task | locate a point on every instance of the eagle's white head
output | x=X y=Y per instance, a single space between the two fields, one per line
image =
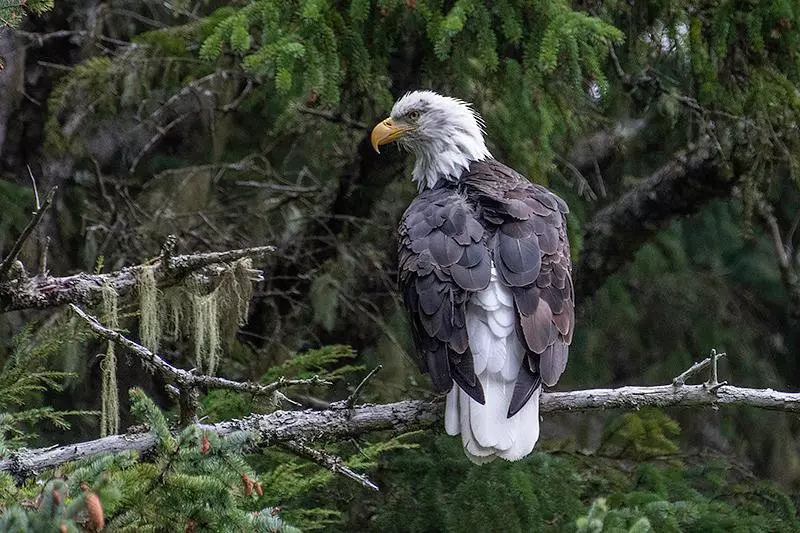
x=445 y=134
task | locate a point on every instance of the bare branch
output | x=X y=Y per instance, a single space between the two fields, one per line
x=279 y=187
x=159 y=134
x=330 y=462
x=331 y=116
x=339 y=424
x=183 y=378
x=248 y=88
x=783 y=252
x=44 y=292
x=692 y=178
x=5 y=265
x=351 y=400
x=35 y=189
x=680 y=380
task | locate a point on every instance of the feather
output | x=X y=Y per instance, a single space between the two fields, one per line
x=498 y=328
x=562 y=322
x=525 y=428
x=515 y=279
x=526 y=299
x=431 y=323
x=476 y=453
x=439 y=369
x=472 y=278
x=537 y=328
x=430 y=299
x=553 y=362
x=519 y=255
x=527 y=382
x=518 y=229
x=419 y=230
x=554 y=298
x=480 y=340
x=451 y=415
x=444 y=249
x=548 y=241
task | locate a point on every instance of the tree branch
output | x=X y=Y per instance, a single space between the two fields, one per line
x=692 y=178
x=680 y=380
x=784 y=255
x=330 y=462
x=332 y=116
x=45 y=292
x=339 y=424
x=184 y=378
x=5 y=265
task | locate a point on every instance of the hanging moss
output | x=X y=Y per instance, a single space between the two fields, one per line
x=109 y=402
x=149 y=321
x=174 y=301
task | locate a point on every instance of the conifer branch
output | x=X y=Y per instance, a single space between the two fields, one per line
x=44 y=292
x=330 y=425
x=330 y=462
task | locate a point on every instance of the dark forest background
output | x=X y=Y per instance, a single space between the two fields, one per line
x=670 y=127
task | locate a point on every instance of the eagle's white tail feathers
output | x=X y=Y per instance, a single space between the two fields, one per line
x=485 y=430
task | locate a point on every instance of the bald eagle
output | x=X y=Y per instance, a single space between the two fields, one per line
x=485 y=273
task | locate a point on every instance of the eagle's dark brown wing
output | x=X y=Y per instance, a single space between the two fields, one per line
x=531 y=254
x=443 y=258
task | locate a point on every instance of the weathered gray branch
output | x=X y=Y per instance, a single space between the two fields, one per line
x=184 y=378
x=42 y=292
x=680 y=380
x=5 y=264
x=338 y=424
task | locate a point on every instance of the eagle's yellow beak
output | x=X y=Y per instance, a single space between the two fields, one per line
x=386 y=132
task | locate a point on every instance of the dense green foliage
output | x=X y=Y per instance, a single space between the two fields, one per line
x=553 y=492
x=232 y=124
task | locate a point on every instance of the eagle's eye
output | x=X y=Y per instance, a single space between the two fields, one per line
x=413 y=115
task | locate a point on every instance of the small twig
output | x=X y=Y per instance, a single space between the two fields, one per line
x=35 y=220
x=57 y=66
x=248 y=88
x=331 y=116
x=35 y=189
x=331 y=462
x=45 y=245
x=680 y=380
x=160 y=133
x=280 y=187
x=351 y=400
x=40 y=38
x=584 y=188
x=713 y=384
